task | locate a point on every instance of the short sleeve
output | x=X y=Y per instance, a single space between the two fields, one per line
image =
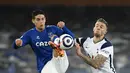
x=80 y=40
x=106 y=51
x=25 y=39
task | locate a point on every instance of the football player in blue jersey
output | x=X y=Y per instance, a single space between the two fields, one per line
x=38 y=38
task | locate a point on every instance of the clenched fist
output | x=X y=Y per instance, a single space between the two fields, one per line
x=18 y=42
x=61 y=24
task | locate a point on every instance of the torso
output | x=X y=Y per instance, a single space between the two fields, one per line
x=93 y=49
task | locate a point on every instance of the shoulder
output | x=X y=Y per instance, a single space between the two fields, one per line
x=83 y=40
x=51 y=26
x=88 y=39
x=106 y=44
x=30 y=31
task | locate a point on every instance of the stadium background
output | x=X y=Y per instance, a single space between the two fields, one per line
x=15 y=18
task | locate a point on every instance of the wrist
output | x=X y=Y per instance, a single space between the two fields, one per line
x=79 y=53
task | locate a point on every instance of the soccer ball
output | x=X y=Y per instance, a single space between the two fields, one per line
x=66 y=41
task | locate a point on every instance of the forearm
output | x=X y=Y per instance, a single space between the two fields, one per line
x=66 y=30
x=89 y=61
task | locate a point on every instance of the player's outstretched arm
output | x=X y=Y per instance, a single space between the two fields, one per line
x=96 y=62
x=22 y=41
x=62 y=26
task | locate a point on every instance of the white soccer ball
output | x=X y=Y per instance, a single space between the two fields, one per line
x=66 y=41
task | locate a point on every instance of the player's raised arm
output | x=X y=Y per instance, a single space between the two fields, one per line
x=62 y=26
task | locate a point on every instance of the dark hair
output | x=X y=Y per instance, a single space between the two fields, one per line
x=103 y=21
x=36 y=12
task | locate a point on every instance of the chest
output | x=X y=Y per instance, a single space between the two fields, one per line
x=92 y=49
x=40 y=39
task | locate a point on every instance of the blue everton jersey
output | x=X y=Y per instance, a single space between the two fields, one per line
x=39 y=42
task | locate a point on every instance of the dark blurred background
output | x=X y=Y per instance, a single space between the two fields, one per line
x=79 y=16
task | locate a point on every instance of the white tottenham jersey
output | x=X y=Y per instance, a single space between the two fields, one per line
x=103 y=47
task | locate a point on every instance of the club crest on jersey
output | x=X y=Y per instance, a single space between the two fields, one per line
x=37 y=37
x=50 y=34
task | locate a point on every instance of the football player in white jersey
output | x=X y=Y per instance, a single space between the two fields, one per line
x=99 y=51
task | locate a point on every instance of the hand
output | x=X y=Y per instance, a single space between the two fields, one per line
x=78 y=49
x=18 y=42
x=61 y=24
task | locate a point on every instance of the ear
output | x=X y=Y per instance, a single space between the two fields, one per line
x=105 y=32
x=93 y=29
x=45 y=19
x=33 y=21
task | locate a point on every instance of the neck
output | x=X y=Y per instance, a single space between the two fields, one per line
x=40 y=30
x=97 y=39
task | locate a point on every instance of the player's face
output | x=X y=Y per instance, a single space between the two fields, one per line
x=39 y=22
x=100 y=29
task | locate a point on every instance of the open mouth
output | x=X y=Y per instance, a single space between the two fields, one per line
x=41 y=25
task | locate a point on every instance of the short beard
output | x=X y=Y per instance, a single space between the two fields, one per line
x=41 y=29
x=97 y=35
